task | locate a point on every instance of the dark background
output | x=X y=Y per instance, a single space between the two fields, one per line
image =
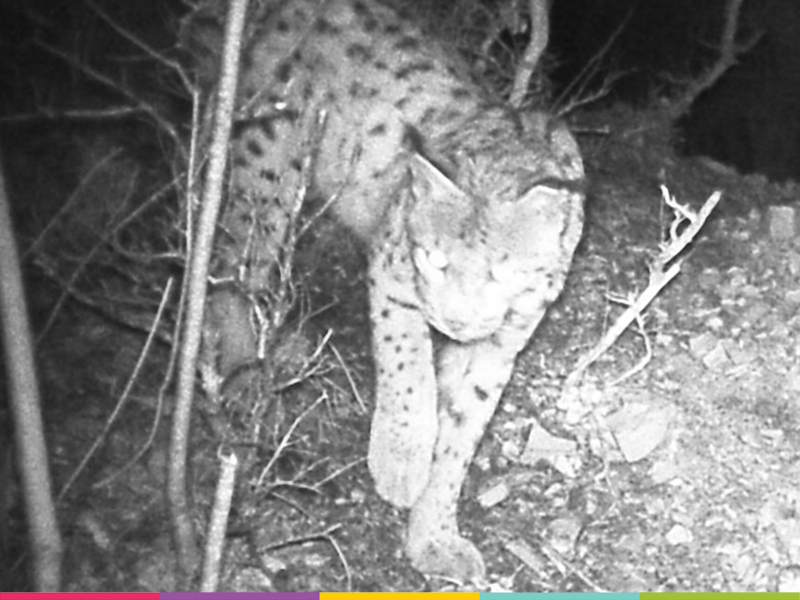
x=749 y=119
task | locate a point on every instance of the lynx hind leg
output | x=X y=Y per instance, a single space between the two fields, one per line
x=404 y=425
x=229 y=336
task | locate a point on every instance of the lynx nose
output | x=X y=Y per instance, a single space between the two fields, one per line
x=469 y=327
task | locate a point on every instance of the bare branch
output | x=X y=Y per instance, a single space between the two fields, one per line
x=45 y=113
x=128 y=35
x=539 y=36
x=123 y=398
x=138 y=103
x=729 y=53
x=577 y=86
x=67 y=206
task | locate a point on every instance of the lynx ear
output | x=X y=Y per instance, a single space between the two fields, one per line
x=566 y=151
x=417 y=147
x=438 y=206
x=557 y=138
x=427 y=181
x=535 y=123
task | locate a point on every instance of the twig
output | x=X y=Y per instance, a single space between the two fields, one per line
x=128 y=35
x=116 y=86
x=290 y=502
x=338 y=472
x=577 y=86
x=155 y=197
x=684 y=213
x=657 y=282
x=141 y=324
x=44 y=113
x=159 y=410
x=326 y=535
x=123 y=398
x=311 y=366
x=565 y=566
x=34 y=246
x=304 y=471
x=350 y=380
x=286 y=437
x=648 y=354
x=69 y=284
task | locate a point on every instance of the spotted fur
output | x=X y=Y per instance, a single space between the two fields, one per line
x=470 y=211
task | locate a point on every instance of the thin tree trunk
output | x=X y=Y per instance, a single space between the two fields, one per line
x=200 y=255
x=44 y=538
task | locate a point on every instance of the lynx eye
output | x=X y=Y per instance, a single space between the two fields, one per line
x=437 y=259
x=431 y=265
x=502 y=272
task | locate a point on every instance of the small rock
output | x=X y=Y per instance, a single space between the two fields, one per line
x=639 y=429
x=563 y=533
x=745 y=567
x=703 y=344
x=792 y=297
x=717 y=359
x=793 y=379
x=788 y=531
x=781 y=223
x=663 y=471
x=738 y=355
x=251 y=579
x=709 y=279
x=789 y=579
x=525 y=552
x=791 y=261
x=542 y=445
x=493 y=495
x=756 y=312
x=633 y=542
x=737 y=278
x=679 y=535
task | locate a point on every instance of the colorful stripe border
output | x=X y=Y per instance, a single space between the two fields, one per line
x=402 y=596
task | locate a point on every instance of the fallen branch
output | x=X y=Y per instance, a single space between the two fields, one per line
x=663 y=269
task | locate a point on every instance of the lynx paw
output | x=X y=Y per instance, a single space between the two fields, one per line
x=448 y=555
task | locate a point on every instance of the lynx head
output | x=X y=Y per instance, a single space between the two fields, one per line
x=492 y=234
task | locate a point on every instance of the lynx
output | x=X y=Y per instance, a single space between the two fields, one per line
x=470 y=213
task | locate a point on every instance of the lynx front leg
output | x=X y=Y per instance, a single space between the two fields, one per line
x=404 y=424
x=471 y=380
